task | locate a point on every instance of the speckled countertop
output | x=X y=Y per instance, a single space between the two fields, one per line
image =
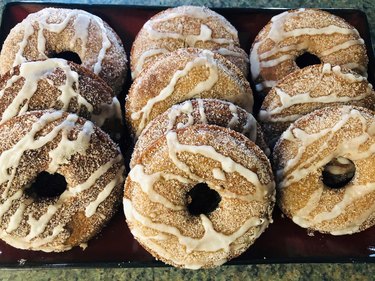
x=305 y=271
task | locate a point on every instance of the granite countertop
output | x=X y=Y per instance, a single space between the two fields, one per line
x=294 y=271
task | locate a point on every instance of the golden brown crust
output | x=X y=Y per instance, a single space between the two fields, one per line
x=182 y=27
x=308 y=89
x=182 y=75
x=200 y=111
x=299 y=159
x=62 y=143
x=98 y=46
x=165 y=216
x=292 y=33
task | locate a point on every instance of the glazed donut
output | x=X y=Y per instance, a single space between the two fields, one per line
x=182 y=27
x=57 y=84
x=166 y=196
x=311 y=88
x=292 y=33
x=66 y=146
x=181 y=75
x=52 y=31
x=307 y=149
x=200 y=111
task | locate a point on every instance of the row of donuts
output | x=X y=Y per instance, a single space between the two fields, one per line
x=198 y=193
x=318 y=119
x=334 y=140
x=61 y=177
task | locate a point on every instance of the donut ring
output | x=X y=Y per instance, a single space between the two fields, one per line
x=308 y=89
x=182 y=27
x=57 y=84
x=56 y=142
x=200 y=111
x=51 y=31
x=157 y=191
x=300 y=156
x=182 y=75
x=295 y=32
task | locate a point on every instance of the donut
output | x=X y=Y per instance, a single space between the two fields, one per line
x=61 y=180
x=182 y=27
x=200 y=111
x=311 y=88
x=293 y=33
x=200 y=196
x=182 y=75
x=61 y=85
x=320 y=145
x=53 y=31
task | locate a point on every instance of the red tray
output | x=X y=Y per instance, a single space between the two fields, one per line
x=283 y=241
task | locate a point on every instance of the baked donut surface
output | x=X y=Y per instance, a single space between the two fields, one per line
x=315 y=143
x=182 y=75
x=58 y=84
x=308 y=89
x=200 y=111
x=158 y=196
x=292 y=33
x=51 y=31
x=182 y=27
x=56 y=143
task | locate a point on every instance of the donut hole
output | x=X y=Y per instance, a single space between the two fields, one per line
x=338 y=172
x=202 y=200
x=68 y=55
x=307 y=59
x=47 y=185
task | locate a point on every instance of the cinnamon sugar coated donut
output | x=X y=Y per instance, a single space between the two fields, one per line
x=54 y=30
x=200 y=111
x=58 y=84
x=182 y=75
x=292 y=33
x=316 y=143
x=65 y=146
x=182 y=27
x=311 y=88
x=161 y=190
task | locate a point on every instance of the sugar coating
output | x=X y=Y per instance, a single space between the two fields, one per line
x=299 y=159
x=56 y=142
x=54 y=30
x=292 y=33
x=155 y=200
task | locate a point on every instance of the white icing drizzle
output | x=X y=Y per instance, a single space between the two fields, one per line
x=81 y=22
x=227 y=52
x=210 y=242
x=147 y=181
x=108 y=111
x=32 y=72
x=189 y=40
x=205 y=58
x=235 y=120
x=9 y=160
x=202 y=114
x=218 y=174
x=349 y=148
x=288 y=101
x=227 y=164
x=176 y=111
x=277 y=34
x=250 y=129
x=143 y=57
x=92 y=206
x=342 y=46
